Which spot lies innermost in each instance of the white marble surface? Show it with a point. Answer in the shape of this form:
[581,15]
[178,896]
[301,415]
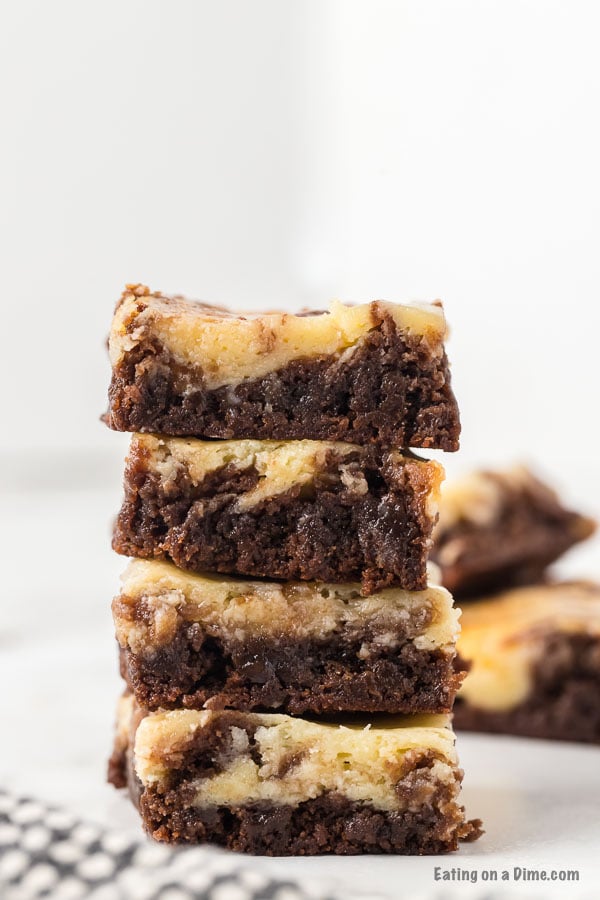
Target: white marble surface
[58,670]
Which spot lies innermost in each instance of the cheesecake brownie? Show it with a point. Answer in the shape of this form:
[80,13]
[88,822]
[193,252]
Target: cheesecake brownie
[534,657]
[275,785]
[309,510]
[499,529]
[315,648]
[375,372]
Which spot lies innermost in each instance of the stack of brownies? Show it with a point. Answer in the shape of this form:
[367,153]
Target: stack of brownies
[306,710]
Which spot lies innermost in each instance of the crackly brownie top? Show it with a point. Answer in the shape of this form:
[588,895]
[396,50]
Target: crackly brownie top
[502,637]
[157,598]
[230,348]
[280,759]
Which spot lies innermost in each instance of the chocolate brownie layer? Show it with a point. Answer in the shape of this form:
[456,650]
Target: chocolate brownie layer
[373,373]
[535,663]
[499,529]
[279,786]
[293,510]
[564,699]
[319,677]
[301,648]
[326,825]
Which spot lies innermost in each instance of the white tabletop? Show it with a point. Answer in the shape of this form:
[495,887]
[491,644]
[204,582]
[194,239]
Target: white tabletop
[58,665]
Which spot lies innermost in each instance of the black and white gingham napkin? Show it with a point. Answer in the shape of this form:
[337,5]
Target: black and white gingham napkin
[47,852]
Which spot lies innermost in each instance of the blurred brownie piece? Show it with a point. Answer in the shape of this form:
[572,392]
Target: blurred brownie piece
[308,510]
[377,372]
[194,641]
[534,656]
[499,529]
[274,785]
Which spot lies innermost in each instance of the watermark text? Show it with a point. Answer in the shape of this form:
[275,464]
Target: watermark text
[515,873]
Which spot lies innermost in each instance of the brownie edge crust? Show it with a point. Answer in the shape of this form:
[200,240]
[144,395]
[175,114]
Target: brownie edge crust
[391,386]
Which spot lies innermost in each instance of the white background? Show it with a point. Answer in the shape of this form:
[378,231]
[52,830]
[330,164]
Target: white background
[280,153]
[274,153]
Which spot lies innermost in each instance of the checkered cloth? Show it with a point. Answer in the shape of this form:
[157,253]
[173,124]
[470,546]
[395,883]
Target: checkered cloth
[47,852]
